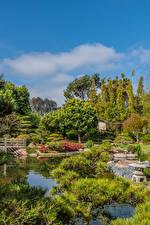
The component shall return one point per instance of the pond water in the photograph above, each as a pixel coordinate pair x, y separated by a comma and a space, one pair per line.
112, 211
36, 172
34, 179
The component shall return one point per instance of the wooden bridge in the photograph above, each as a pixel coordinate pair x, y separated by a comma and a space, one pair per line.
12, 145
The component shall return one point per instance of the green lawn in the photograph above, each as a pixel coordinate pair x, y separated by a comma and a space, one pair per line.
145, 147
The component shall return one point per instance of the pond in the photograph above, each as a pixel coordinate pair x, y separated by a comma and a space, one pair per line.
36, 172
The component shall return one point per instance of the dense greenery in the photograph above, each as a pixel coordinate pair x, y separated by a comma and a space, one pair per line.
80, 87
86, 182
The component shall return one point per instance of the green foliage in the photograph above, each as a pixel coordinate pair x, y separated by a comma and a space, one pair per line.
26, 136
145, 138
146, 107
80, 87
10, 124
79, 115
131, 97
124, 138
55, 146
4, 157
54, 137
112, 101
51, 122
135, 124
36, 139
21, 204
93, 94
89, 144
132, 148
71, 135
14, 99
105, 157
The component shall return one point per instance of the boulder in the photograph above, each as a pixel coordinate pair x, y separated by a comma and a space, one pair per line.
31, 145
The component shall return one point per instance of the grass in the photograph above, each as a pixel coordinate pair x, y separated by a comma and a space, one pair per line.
145, 147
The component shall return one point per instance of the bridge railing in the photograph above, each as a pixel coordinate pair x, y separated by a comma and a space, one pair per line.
12, 142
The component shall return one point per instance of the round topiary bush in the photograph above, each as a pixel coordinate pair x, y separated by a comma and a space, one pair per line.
132, 149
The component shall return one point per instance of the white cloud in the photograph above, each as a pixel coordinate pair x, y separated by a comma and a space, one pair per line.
52, 88
36, 64
50, 73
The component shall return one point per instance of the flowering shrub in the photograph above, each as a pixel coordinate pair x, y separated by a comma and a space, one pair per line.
71, 146
55, 146
43, 148
61, 146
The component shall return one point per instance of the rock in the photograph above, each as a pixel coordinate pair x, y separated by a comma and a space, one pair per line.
87, 150
119, 156
131, 156
31, 145
22, 152
33, 155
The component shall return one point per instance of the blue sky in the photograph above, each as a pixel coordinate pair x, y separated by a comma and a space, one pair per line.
46, 44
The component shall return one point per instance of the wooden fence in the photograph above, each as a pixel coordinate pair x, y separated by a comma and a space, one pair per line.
12, 142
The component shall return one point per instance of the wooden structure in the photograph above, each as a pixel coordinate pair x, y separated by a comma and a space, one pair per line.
104, 125
7, 143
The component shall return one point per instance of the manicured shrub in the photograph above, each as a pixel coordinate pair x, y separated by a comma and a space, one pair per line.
89, 144
124, 138
54, 137
26, 136
132, 149
36, 139
105, 157
55, 146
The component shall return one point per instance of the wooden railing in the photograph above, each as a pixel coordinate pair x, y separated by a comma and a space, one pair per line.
12, 142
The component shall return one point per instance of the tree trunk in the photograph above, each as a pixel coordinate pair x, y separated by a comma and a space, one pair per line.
79, 138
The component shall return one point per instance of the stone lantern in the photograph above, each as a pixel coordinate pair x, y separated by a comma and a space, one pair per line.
138, 174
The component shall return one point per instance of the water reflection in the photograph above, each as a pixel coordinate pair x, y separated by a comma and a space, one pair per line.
36, 172
36, 180
111, 212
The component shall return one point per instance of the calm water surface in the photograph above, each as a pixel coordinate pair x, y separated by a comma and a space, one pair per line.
36, 172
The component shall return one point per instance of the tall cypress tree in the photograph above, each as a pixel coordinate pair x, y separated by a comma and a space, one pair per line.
93, 94
131, 97
139, 96
122, 111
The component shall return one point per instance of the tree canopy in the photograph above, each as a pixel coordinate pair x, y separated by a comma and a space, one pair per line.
43, 105
13, 99
80, 87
